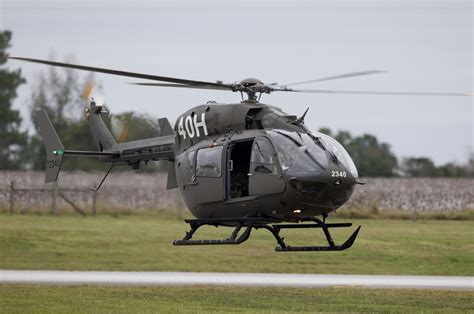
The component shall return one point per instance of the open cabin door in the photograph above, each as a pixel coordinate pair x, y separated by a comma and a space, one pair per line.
252, 169
238, 165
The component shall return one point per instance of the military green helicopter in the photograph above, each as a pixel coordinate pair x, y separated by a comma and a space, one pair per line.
246, 165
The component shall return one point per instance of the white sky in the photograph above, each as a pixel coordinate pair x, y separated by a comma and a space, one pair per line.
426, 46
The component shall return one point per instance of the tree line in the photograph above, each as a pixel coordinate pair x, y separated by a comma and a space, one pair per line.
59, 93
376, 159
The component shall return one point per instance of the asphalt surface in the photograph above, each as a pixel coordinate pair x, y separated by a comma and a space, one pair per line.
233, 279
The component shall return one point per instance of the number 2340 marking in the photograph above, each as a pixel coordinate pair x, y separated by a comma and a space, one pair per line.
338, 174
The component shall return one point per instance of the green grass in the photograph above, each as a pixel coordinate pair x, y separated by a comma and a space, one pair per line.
375, 213
143, 243
204, 299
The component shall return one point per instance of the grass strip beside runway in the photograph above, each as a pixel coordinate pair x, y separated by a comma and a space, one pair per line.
37, 298
143, 243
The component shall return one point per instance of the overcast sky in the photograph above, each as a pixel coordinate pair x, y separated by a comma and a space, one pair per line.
426, 46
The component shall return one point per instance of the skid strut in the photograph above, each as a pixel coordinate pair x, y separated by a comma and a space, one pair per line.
258, 223
233, 239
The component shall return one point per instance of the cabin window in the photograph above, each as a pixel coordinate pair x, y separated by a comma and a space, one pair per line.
208, 162
263, 157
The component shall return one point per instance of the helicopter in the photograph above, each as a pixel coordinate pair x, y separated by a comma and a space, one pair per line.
245, 165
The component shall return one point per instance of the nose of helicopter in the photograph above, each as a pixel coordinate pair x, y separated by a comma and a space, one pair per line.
340, 187
332, 188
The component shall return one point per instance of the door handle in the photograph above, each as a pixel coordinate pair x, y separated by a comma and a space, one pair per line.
250, 174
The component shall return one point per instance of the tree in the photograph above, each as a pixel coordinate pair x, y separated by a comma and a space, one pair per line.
470, 164
326, 131
419, 167
371, 157
452, 170
12, 139
424, 167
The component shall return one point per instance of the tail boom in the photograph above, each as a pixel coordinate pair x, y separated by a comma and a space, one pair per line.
127, 154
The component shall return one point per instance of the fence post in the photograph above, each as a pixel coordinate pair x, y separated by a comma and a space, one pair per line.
54, 197
12, 197
413, 214
94, 202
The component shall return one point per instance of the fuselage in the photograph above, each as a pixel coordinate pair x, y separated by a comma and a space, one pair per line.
253, 160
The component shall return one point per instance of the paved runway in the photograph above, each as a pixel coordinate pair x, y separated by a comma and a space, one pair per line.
233, 279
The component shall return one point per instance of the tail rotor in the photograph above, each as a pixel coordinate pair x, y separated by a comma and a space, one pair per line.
93, 97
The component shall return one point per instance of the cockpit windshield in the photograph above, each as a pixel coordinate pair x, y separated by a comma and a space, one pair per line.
299, 153
302, 153
338, 150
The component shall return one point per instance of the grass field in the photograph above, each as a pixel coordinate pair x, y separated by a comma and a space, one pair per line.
204, 299
143, 243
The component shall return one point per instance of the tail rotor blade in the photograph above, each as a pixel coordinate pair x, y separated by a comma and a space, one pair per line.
87, 90
119, 129
92, 93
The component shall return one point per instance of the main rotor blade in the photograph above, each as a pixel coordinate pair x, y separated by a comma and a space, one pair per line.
182, 86
325, 91
123, 73
341, 76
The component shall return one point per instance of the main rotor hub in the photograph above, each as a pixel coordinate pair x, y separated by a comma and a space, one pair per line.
251, 86
251, 81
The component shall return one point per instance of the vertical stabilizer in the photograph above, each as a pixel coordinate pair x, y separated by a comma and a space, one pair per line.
164, 127
98, 127
52, 144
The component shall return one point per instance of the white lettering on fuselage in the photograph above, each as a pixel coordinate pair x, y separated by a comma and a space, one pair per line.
189, 126
338, 174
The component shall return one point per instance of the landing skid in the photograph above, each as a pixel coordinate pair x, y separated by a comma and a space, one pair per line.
274, 228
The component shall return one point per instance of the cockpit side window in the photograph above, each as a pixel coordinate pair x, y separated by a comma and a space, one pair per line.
208, 162
263, 158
